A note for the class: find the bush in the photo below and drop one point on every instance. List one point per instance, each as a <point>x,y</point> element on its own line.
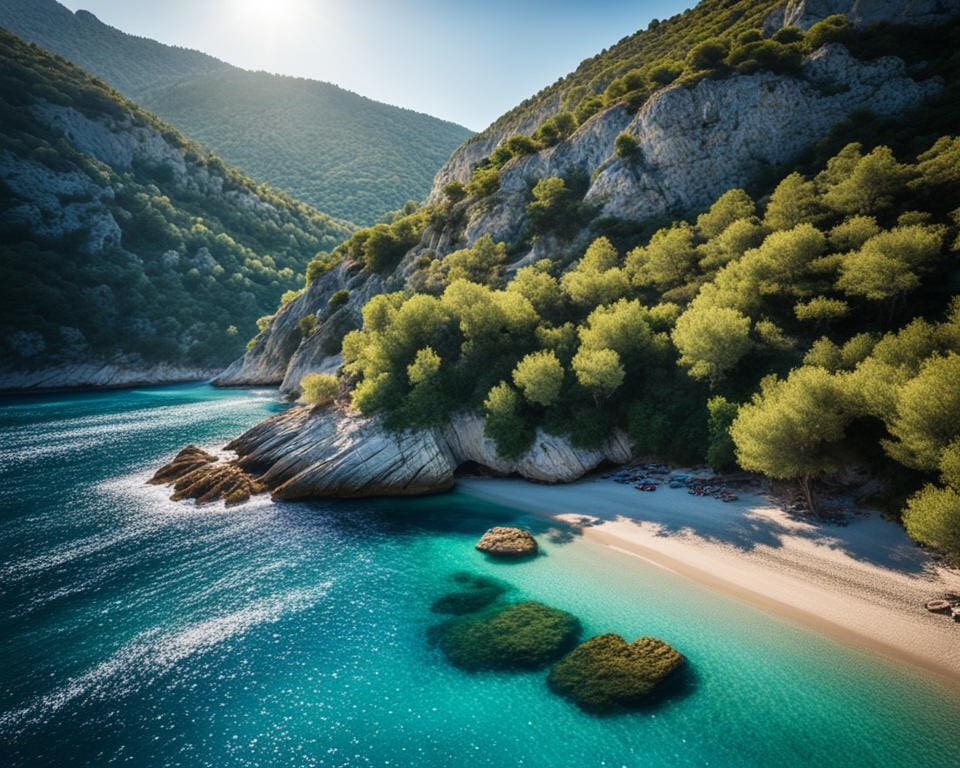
<point>484,182</point>
<point>833,29</point>
<point>607,673</point>
<point>455,192</point>
<point>525,635</point>
<point>556,129</point>
<point>319,389</point>
<point>721,452</point>
<point>709,54</point>
<point>307,325</point>
<point>338,299</point>
<point>626,147</point>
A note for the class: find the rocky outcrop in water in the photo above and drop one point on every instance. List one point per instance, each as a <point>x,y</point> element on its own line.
<point>196,474</point>
<point>508,542</point>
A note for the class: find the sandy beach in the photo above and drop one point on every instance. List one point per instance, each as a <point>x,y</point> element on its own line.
<point>864,583</point>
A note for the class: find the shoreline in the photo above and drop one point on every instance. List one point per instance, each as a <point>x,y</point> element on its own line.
<point>863,585</point>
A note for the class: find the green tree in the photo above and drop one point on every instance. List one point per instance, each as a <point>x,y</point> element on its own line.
<point>871,186</point>
<point>932,517</point>
<point>424,367</point>
<point>307,325</point>
<point>626,147</point>
<point>482,263</point>
<point>792,429</point>
<point>794,201</point>
<point>504,423</point>
<point>728,208</point>
<point>890,264</point>
<point>598,278</point>
<point>711,340</point>
<point>667,261</point>
<point>484,182</point>
<point>709,54</point>
<point>539,376</point>
<point>599,370</point>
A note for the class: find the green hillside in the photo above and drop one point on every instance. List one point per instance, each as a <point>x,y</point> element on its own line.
<point>350,156</point>
<point>141,245</point>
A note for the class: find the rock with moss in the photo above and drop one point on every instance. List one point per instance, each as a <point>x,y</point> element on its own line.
<point>519,636</point>
<point>508,542</point>
<point>606,673</point>
<point>475,593</point>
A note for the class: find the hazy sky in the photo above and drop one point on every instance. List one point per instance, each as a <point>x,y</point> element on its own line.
<point>464,60</point>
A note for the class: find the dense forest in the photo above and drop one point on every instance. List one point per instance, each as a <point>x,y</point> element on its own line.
<point>157,251</point>
<point>792,332</point>
<point>344,154</point>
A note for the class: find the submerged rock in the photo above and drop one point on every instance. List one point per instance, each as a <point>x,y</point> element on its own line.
<point>525,635</point>
<point>196,474</point>
<point>607,673</point>
<point>508,542</point>
<point>476,593</point>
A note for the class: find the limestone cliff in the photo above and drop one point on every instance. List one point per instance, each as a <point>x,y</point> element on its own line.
<point>308,452</point>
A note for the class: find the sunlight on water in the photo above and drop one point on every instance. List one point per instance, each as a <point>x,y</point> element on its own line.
<point>139,631</point>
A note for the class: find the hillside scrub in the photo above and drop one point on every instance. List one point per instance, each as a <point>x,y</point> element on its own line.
<point>188,274</point>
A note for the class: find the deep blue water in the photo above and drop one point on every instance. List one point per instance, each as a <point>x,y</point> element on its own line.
<point>136,631</point>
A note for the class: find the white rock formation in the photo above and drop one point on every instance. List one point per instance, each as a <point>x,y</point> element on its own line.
<point>334,453</point>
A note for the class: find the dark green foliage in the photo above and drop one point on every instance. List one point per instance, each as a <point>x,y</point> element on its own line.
<point>555,129</point>
<point>338,299</point>
<point>607,674</point>
<point>721,452</point>
<point>626,147</point>
<point>455,191</point>
<point>190,273</point>
<point>709,54</point>
<point>521,636</point>
<point>833,29</point>
<point>475,593</point>
<point>347,155</point>
<point>307,325</point>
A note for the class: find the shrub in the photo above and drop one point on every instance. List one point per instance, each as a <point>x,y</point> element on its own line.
<point>933,518</point>
<point>319,389</point>
<point>556,129</point>
<point>626,147</point>
<point>606,673</point>
<point>338,299</point>
<point>484,182</point>
<point>455,191</point>
<point>709,54</point>
<point>521,145</point>
<point>307,325</point>
<point>833,29</point>
<point>721,452</point>
<point>525,635</point>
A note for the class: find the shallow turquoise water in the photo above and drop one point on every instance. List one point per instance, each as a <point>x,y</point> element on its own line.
<point>141,632</point>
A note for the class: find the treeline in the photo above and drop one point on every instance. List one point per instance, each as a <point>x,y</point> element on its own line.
<point>187,271</point>
<point>790,337</point>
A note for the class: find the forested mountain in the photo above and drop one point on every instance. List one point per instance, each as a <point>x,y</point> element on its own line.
<point>121,242</point>
<point>350,156</point>
<point>752,261</point>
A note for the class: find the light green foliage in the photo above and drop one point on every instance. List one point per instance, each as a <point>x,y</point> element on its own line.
<point>833,29</point>
<point>792,429</point>
<point>721,452</point>
<point>424,367</point>
<point>793,202</point>
<point>483,263</point>
<point>554,129</point>
<point>890,263</point>
<point>599,370</point>
<point>711,340</point>
<point>821,309</point>
<point>554,208</point>
<point>668,259</point>
<point>539,376</point>
<point>730,207</point>
<point>772,335</point>
<point>853,232</point>
<point>731,244</point>
<point>319,389</point>
<point>870,185</point>
<point>454,192</point>
<point>536,283</point>
<point>927,417</point>
<point>625,327</point>
<point>598,278</point>
<point>932,517</point>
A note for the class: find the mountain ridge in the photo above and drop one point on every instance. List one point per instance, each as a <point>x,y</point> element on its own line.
<point>347,154</point>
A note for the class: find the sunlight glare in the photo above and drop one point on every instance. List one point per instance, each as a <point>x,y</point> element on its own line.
<point>268,14</point>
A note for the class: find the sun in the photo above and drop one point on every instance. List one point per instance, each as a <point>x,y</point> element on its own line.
<point>266,14</point>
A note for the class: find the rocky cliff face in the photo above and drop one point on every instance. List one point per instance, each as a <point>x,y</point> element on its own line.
<point>100,376</point>
<point>306,452</point>
<point>806,13</point>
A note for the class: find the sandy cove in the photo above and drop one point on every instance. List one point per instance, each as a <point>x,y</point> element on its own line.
<point>864,583</point>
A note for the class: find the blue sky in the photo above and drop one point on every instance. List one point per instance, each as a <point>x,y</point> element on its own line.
<point>463,61</point>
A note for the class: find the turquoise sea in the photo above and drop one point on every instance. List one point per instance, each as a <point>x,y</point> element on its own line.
<point>135,631</point>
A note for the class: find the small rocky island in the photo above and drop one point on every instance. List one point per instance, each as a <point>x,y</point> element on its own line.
<point>508,543</point>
